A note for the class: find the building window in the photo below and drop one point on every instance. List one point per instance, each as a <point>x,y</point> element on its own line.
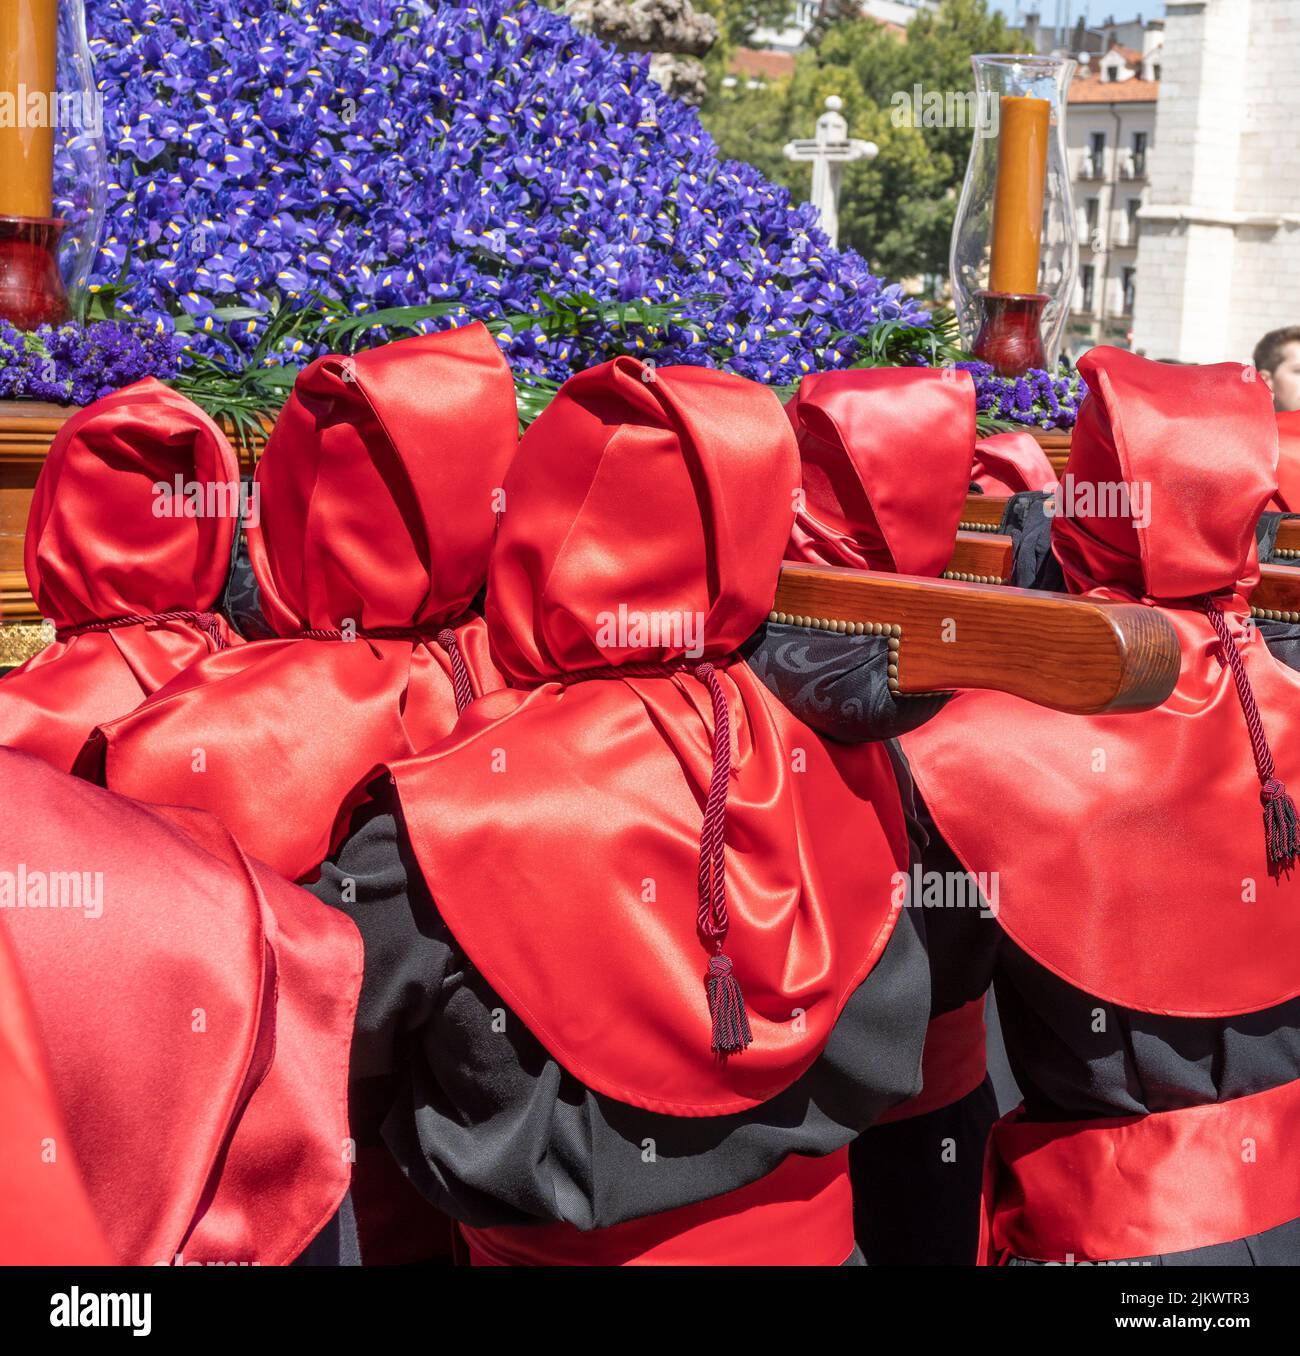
<point>1139,153</point>
<point>1097,154</point>
<point>1131,216</point>
<point>1085,287</point>
<point>1155,71</point>
<point>1130,286</point>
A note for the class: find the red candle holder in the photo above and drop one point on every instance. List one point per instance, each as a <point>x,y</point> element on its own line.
<point>31,287</point>
<point>1010,336</point>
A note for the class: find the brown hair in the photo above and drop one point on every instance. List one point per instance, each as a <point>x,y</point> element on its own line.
<point>1268,352</point>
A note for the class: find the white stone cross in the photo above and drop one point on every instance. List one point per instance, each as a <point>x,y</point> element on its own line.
<point>830,150</point>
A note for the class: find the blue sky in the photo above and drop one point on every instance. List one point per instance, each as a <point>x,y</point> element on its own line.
<point>1095,11</point>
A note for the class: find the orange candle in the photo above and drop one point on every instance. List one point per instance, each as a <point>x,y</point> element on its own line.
<point>1018,197</point>
<point>28,44</point>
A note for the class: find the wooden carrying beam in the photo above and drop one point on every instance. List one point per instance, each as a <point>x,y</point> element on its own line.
<point>1288,538</point>
<point>982,553</point>
<point>983,512</point>
<point>1072,654</point>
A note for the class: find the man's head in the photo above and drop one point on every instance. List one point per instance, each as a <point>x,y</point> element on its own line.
<point>1277,359</point>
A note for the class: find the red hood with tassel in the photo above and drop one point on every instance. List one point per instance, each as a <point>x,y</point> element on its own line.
<point>1132,854</point>
<point>378,499</point>
<point>196,1011</point>
<point>649,858</point>
<point>126,572</point>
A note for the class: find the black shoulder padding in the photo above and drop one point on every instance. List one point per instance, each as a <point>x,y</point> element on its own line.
<point>1266,538</point>
<point>837,685</point>
<point>1282,639</point>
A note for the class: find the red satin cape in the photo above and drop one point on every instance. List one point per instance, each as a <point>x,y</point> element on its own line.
<point>885,456</point>
<point>376,500</point>
<point>1129,850</point>
<point>198,1030</point>
<point>280,737</point>
<point>45,1216</point>
<point>559,827</point>
<point>1008,463</point>
<point>96,550</point>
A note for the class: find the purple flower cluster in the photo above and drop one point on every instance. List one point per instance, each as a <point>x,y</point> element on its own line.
<point>1037,398</point>
<point>74,364</point>
<point>394,152</point>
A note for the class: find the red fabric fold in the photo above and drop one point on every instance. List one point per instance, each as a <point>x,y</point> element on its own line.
<point>378,498</point>
<point>1008,463</point>
<point>1287,497</point>
<point>103,543</point>
<point>198,1024</point>
<point>1130,851</point>
<point>576,805</point>
<point>46,1219</point>
<point>800,1214</point>
<point>886,459</point>
<point>1141,1186</point>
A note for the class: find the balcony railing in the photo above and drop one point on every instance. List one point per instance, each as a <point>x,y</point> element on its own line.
<point>1133,166</point>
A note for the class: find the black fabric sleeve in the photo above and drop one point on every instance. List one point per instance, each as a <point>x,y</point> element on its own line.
<point>1282,639</point>
<point>962,934</point>
<point>1033,566</point>
<point>492,1130</point>
<point>836,684</point>
<point>242,600</point>
<point>1077,1057</point>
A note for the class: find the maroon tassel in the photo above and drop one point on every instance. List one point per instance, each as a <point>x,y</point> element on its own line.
<point>731,1033</point>
<point>1280,831</point>
<point>459,673</point>
<point>1280,825</point>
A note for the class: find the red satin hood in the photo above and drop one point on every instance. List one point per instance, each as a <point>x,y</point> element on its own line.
<point>1288,464</point>
<point>1201,445</point>
<point>197,1021</point>
<point>378,498</point>
<point>378,487</point>
<point>95,546</point>
<point>96,550</point>
<point>619,496</point>
<point>1129,851</point>
<point>886,456</point>
<point>1010,463</point>
<point>575,810</point>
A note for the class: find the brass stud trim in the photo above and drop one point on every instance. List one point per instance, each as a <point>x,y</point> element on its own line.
<point>962,578</point>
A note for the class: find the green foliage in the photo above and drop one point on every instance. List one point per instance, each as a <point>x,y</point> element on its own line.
<point>251,392</point>
<point>253,387</point>
<point>896,210</point>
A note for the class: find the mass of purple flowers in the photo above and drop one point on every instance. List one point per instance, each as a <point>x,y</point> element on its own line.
<point>75,364</point>
<point>1037,398</point>
<point>394,152</point>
